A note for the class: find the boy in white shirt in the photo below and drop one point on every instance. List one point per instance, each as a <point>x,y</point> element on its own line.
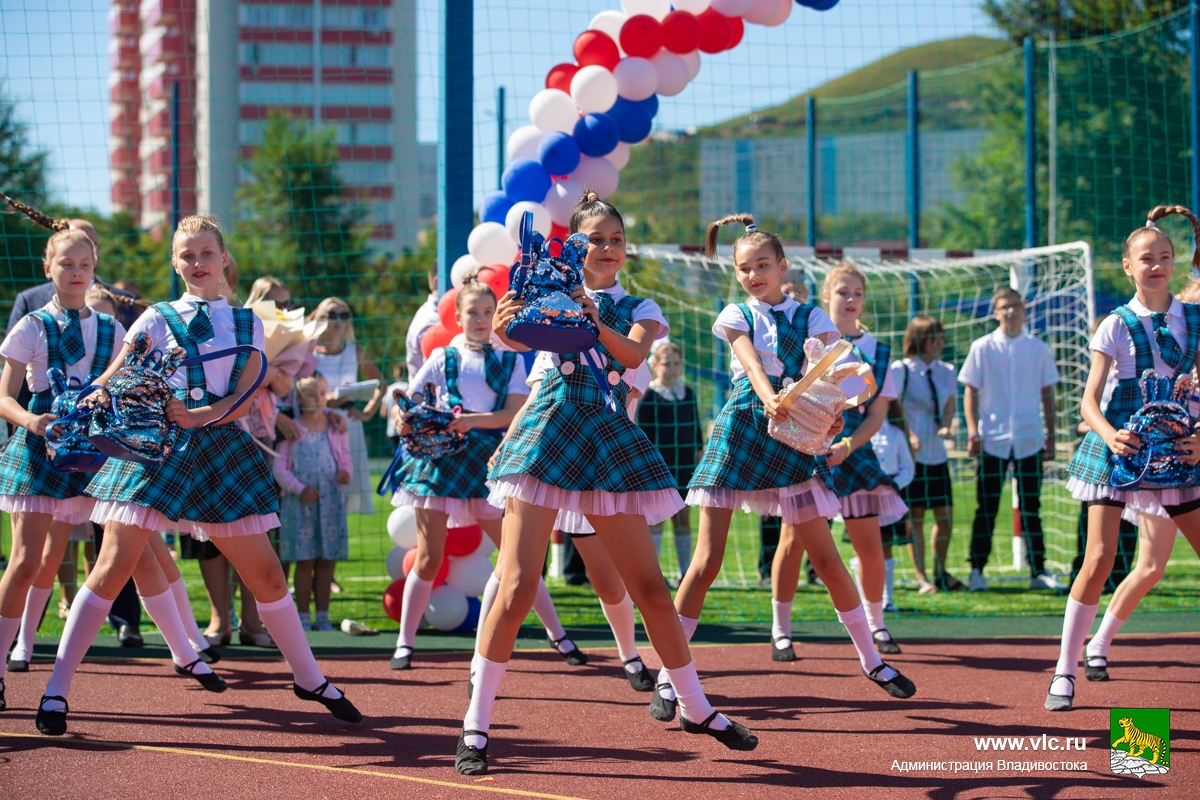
<point>1009,408</point>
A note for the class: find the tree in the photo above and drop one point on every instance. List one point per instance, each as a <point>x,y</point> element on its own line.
<point>23,176</point>
<point>1075,19</point>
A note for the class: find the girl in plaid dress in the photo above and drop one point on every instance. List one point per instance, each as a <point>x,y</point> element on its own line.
<point>218,487</point>
<point>569,451</point>
<point>1152,331</point>
<point>744,468</point>
<point>868,495</point>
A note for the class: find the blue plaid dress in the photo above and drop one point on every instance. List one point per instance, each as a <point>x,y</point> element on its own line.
<point>24,469</point>
<point>1091,467</point>
<point>741,461</point>
<point>220,477</point>
<point>572,451</point>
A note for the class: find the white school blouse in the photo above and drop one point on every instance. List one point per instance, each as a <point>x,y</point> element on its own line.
<point>425,318</point>
<point>477,396</point>
<point>765,333</point>
<point>912,376</point>
<point>1112,337</point>
<point>26,343</point>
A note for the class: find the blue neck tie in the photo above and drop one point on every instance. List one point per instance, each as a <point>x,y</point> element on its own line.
<point>72,337</point>
<point>1168,348</point>
<point>200,328</point>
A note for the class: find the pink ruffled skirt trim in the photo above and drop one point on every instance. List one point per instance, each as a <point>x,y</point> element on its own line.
<point>1138,501</point>
<point>882,502</point>
<point>151,520</point>
<point>461,512</point>
<point>796,504</point>
<point>73,510</point>
<point>656,506</point>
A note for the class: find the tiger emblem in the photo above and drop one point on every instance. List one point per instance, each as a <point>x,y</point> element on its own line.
<point>1140,741</point>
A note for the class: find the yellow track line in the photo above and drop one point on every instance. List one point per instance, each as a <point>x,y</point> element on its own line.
<point>271,762</point>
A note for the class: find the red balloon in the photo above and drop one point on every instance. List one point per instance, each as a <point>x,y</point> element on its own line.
<point>410,558</point>
<point>595,47</point>
<point>393,600</point>
<point>641,35</point>
<point>447,311</point>
<point>463,541</point>
<point>739,30</point>
<point>496,276</point>
<point>715,32</point>
<point>560,76</point>
<point>435,337</point>
<point>681,32</point>
<point>558,232</point>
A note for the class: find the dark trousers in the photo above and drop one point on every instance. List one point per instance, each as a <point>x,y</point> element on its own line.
<point>1127,540</point>
<point>126,609</point>
<point>768,532</point>
<point>988,483</point>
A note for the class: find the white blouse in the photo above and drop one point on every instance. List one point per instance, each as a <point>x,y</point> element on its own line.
<point>477,396</point>
<point>765,334</point>
<point>26,343</point>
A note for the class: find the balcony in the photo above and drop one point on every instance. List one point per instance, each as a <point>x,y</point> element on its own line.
<point>125,195</point>
<point>123,20</point>
<point>169,46</point>
<point>123,158</point>
<point>124,92</point>
<point>162,12</point>
<point>159,124</point>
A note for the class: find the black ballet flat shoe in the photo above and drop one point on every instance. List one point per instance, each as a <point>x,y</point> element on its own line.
<point>1094,672</point>
<point>575,657</point>
<point>340,707</point>
<point>782,653</point>
<point>642,680</point>
<point>3,703</point>
<point>18,665</point>
<point>209,655</point>
<point>661,708</point>
<point>470,685</point>
<point>1060,702</point>
<point>735,737</point>
<point>399,662</point>
<point>885,644</point>
<point>470,760</point>
<point>52,723</point>
<point>898,686</point>
<point>211,681</point>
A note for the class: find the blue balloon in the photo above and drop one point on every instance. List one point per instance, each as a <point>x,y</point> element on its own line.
<point>558,153</point>
<point>524,179</point>
<point>495,207</point>
<point>632,119</point>
<point>597,135</point>
<point>472,619</point>
<point>824,5</point>
<point>650,104</point>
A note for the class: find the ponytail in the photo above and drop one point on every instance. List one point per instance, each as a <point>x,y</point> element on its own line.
<point>753,236</point>
<point>55,225</point>
<point>1162,212</point>
<point>590,206</point>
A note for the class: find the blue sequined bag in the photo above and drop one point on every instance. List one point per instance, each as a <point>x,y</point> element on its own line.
<point>550,320</point>
<point>1160,423</point>
<point>429,438</point>
<point>67,445</point>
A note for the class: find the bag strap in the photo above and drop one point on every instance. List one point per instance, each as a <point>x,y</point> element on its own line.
<point>601,381</point>
<point>54,357</point>
<point>106,330</point>
<point>236,350</point>
<point>386,483</point>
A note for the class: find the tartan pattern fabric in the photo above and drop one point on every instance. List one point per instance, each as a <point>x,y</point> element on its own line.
<point>570,439</point>
<point>462,475</point>
<point>739,454</point>
<point>71,347</point>
<point>861,470</point>
<point>200,329</point>
<point>243,329</point>
<point>1092,463</point>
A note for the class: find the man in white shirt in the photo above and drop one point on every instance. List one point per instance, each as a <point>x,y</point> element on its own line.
<point>1009,408</point>
<point>425,318</point>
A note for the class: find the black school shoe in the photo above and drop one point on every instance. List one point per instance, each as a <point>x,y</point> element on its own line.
<point>1094,671</point>
<point>884,643</point>
<point>898,686</point>
<point>575,657</point>
<point>661,708</point>
<point>340,707</point>
<point>211,681</point>
<point>470,760</point>
<point>3,704</point>
<point>17,665</point>
<point>128,636</point>
<point>209,655</point>
<point>52,723</point>
<point>641,681</point>
<point>399,662</point>
<point>782,653</point>
<point>735,737</point>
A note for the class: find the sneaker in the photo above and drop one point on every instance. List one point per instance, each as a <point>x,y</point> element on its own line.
<point>322,625</point>
<point>1046,581</point>
<point>976,583</point>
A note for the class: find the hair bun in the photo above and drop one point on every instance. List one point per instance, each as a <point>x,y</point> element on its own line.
<point>588,197</point>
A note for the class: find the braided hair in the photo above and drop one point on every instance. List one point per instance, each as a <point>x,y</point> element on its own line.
<point>1150,229</point>
<point>63,232</point>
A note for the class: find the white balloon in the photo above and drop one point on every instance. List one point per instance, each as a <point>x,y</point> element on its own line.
<point>609,22</point>
<point>693,6</point>
<point>469,574</point>
<point>395,563</point>
<point>553,110</point>
<point>619,156</point>
<point>761,11</point>
<point>598,174</point>
<point>594,89</point>
<point>732,8</point>
<point>490,243</point>
<point>672,73</point>
<point>692,60</point>
<point>637,78</point>
<point>781,13</point>
<point>402,527</point>
<point>512,220</point>
<point>486,547</point>
<point>523,142</point>
<point>655,8</point>
<point>447,608</point>
<point>461,267</point>
<point>560,201</point>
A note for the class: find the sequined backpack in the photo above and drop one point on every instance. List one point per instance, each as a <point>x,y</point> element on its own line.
<point>67,445</point>
<point>817,399</point>
<point>1160,423</point>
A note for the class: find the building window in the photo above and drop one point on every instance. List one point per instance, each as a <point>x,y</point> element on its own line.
<point>267,16</point>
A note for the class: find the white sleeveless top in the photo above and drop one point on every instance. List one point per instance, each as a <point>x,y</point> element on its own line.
<point>340,369</point>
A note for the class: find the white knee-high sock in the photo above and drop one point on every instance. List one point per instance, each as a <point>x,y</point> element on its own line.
<point>874,615</point>
<point>620,619</point>
<point>689,626</point>
<point>1100,643</point>
<point>692,702</point>
<point>35,604</point>
<point>1076,623</point>
<point>485,605</point>
<point>88,613</point>
<point>8,631</point>
<point>184,606</point>
<point>683,551</point>
<point>479,713</point>
<point>781,621</point>
<point>283,623</point>
<point>416,598</point>
<point>889,580</point>
<point>855,621</point>
<point>543,606</point>
<point>164,612</point>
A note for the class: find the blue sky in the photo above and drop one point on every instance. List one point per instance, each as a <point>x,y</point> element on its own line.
<point>54,62</point>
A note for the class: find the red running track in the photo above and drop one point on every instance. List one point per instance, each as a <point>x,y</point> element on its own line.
<point>138,730</point>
